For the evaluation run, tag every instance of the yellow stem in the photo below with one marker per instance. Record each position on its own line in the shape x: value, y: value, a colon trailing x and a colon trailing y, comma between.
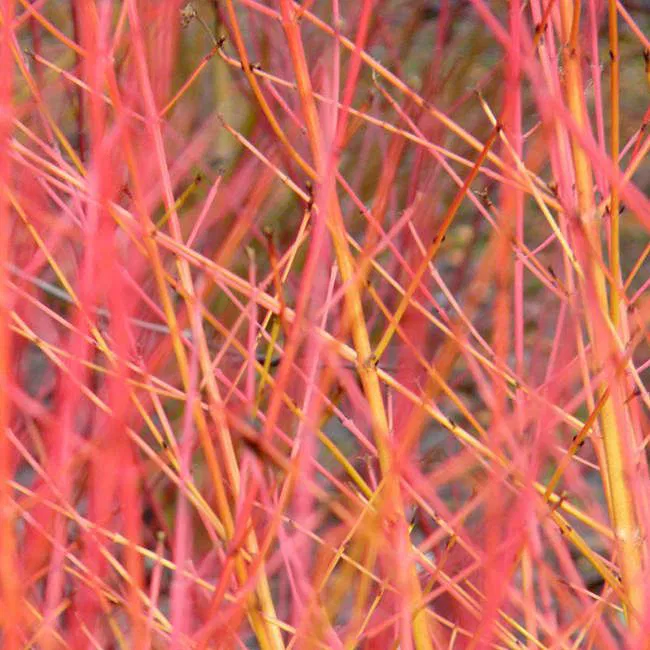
x: 616, y: 444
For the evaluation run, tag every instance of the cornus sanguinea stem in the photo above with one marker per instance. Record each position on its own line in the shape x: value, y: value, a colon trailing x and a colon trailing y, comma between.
x: 323, y: 324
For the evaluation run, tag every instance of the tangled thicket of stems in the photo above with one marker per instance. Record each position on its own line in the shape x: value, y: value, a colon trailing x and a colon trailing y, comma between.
x: 323, y: 324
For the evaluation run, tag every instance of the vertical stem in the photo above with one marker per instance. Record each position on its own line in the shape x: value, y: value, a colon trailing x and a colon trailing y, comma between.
x: 618, y: 447
x: 9, y: 578
x: 366, y: 368
x: 260, y: 608
x: 81, y: 113
x: 614, y: 203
